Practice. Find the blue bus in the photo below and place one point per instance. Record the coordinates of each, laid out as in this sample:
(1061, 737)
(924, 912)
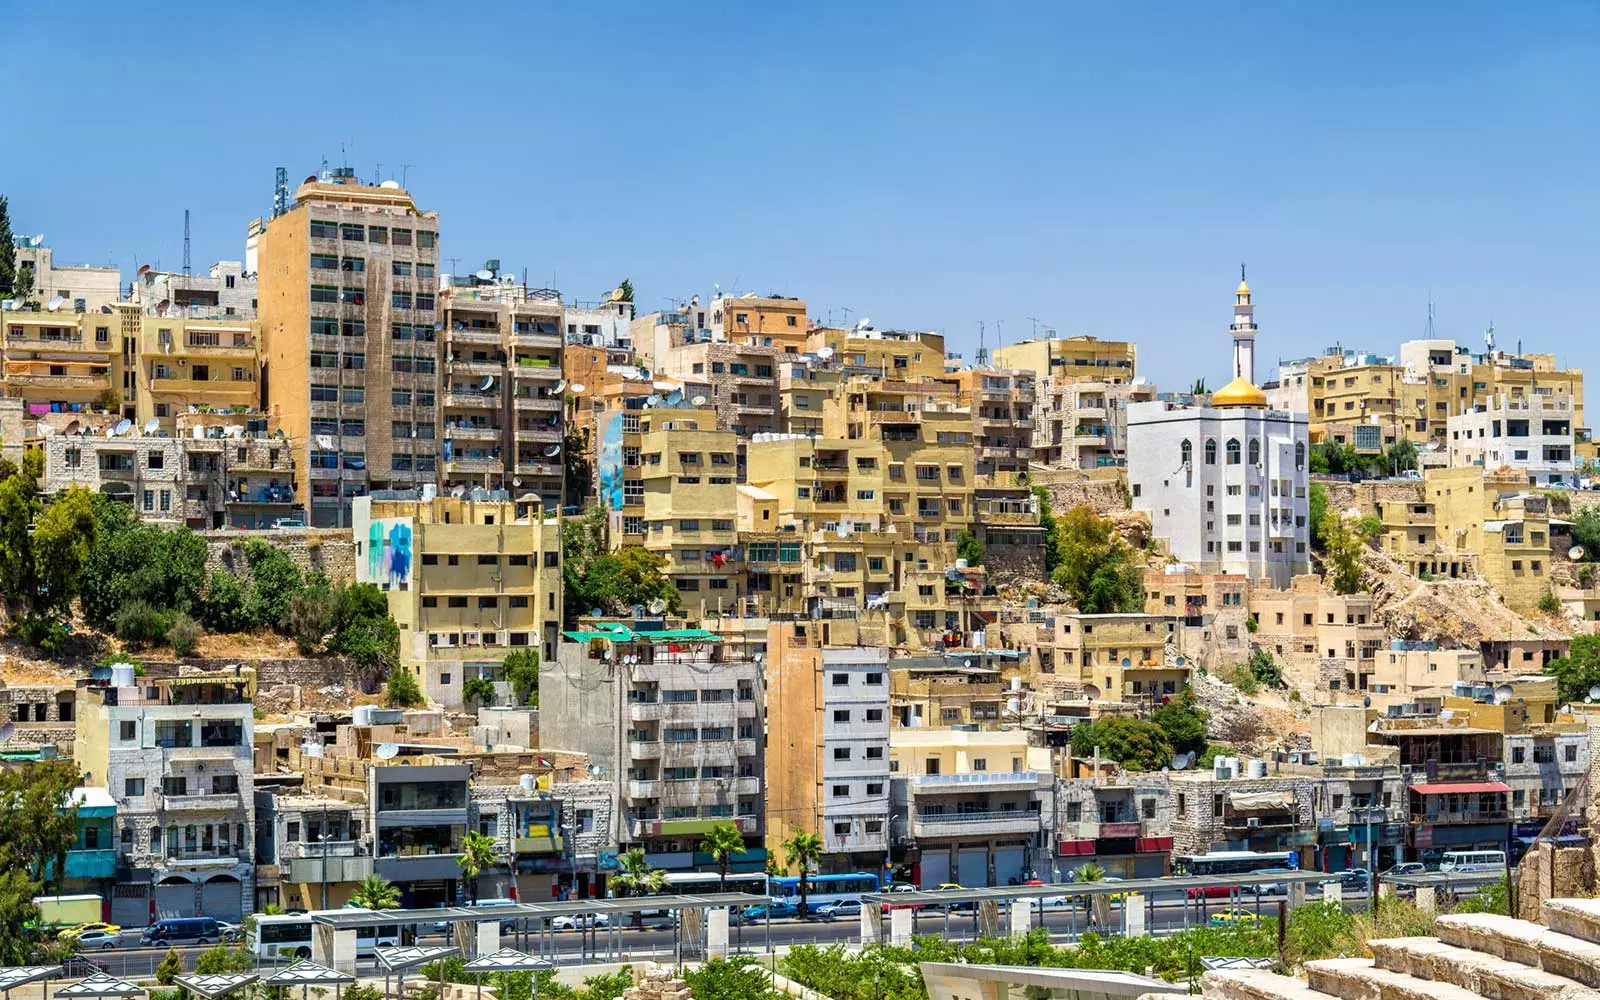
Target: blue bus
(822, 889)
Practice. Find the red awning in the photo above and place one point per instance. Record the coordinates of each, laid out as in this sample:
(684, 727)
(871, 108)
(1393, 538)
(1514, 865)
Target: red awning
(1460, 788)
(1076, 847)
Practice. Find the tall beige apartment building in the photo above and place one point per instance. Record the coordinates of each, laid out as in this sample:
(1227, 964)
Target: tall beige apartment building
(350, 355)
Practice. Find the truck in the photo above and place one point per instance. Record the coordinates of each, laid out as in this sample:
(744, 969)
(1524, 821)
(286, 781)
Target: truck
(67, 911)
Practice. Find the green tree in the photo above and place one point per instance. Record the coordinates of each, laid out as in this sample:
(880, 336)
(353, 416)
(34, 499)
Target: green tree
(62, 540)
(138, 624)
(576, 471)
(1198, 388)
(170, 968)
(183, 633)
(1137, 744)
(402, 688)
(38, 822)
(310, 619)
(477, 853)
(969, 548)
(1342, 546)
(274, 580)
(520, 669)
(1579, 670)
(635, 877)
(8, 252)
(1265, 669)
(479, 690)
(376, 893)
(363, 629)
(1334, 458)
(220, 959)
(801, 851)
(1317, 504)
(642, 574)
(625, 291)
(1586, 532)
(1183, 722)
(19, 506)
(223, 609)
(1401, 457)
(131, 561)
(737, 978)
(1095, 566)
(722, 842)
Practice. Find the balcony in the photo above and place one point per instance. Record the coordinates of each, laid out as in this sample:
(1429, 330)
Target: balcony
(473, 400)
(313, 870)
(1019, 822)
(644, 789)
(204, 856)
(647, 711)
(475, 465)
(644, 749)
(217, 753)
(472, 335)
(976, 781)
(465, 432)
(542, 404)
(549, 435)
(539, 845)
(549, 372)
(547, 469)
(494, 368)
(221, 802)
(545, 340)
(1462, 818)
(89, 382)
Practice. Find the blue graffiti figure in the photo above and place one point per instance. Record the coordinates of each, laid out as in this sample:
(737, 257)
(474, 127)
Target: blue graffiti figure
(399, 554)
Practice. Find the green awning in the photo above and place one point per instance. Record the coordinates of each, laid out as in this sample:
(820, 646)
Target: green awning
(689, 634)
(623, 635)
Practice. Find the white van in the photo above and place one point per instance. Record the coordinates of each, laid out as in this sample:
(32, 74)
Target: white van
(1473, 861)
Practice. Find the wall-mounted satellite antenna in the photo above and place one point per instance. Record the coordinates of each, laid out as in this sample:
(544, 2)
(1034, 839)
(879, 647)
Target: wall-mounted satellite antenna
(1091, 692)
(1181, 761)
(825, 353)
(561, 384)
(1594, 691)
(484, 275)
(516, 480)
(698, 401)
(123, 426)
(552, 450)
(675, 397)
(386, 751)
(152, 425)
(1503, 694)
(657, 606)
(459, 492)
(1575, 553)
(577, 388)
(55, 303)
(486, 384)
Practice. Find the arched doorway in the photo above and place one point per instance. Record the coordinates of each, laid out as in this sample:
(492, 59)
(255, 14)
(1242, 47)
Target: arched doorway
(221, 897)
(174, 897)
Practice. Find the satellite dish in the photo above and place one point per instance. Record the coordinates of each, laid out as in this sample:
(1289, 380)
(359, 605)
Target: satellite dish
(577, 388)
(698, 401)
(644, 373)
(657, 606)
(1181, 761)
(7, 730)
(484, 275)
(1575, 553)
(1091, 692)
(386, 751)
(123, 426)
(516, 480)
(561, 384)
(459, 492)
(55, 303)
(486, 384)
(1503, 694)
(1594, 692)
(825, 353)
(1366, 701)
(152, 425)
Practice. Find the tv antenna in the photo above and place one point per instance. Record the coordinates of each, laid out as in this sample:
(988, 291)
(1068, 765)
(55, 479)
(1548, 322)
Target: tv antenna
(280, 192)
(403, 168)
(186, 242)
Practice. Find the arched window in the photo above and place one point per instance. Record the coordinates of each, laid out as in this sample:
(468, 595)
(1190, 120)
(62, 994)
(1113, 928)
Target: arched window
(1299, 454)
(1186, 452)
(1255, 451)
(1211, 451)
(1233, 451)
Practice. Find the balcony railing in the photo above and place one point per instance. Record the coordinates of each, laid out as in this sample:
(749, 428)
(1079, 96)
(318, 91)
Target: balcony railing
(974, 823)
(216, 802)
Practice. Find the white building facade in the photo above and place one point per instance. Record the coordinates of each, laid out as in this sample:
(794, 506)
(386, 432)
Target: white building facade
(855, 750)
(1533, 435)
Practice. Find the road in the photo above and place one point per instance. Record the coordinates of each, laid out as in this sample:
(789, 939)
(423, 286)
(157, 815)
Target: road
(602, 944)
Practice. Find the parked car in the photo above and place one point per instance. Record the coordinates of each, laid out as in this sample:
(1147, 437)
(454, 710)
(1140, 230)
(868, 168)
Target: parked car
(182, 930)
(289, 522)
(567, 923)
(1408, 868)
(1355, 878)
(837, 909)
(230, 932)
(1233, 918)
(97, 940)
(955, 887)
(774, 909)
(1050, 902)
(72, 932)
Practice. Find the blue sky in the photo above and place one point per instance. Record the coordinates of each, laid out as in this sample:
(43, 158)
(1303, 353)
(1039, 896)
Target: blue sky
(1101, 168)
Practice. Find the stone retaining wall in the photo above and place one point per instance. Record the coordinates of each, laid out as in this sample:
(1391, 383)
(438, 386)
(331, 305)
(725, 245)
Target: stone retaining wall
(326, 550)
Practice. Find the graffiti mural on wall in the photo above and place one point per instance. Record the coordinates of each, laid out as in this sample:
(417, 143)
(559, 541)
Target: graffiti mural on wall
(389, 552)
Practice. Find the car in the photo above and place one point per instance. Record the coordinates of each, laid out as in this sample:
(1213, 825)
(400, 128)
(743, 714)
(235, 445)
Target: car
(97, 940)
(774, 910)
(1355, 878)
(1408, 868)
(229, 932)
(1050, 902)
(837, 909)
(72, 932)
(567, 922)
(1233, 918)
(289, 522)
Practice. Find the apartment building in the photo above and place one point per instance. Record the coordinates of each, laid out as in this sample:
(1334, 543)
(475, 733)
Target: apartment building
(1534, 435)
(1325, 642)
(828, 730)
(949, 689)
(1085, 358)
(80, 287)
(901, 355)
(468, 581)
(222, 469)
(176, 755)
(1207, 612)
(673, 716)
(774, 321)
(190, 365)
(1456, 796)
(1546, 750)
(1409, 667)
(973, 808)
(1002, 407)
(1083, 423)
(91, 861)
(1490, 514)
(1236, 807)
(689, 508)
(501, 410)
(738, 379)
(60, 360)
(348, 308)
(607, 323)
(1411, 537)
(1119, 820)
(803, 387)
(225, 291)
(1115, 657)
(316, 844)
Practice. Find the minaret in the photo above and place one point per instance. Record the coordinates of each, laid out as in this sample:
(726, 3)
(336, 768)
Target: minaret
(1244, 332)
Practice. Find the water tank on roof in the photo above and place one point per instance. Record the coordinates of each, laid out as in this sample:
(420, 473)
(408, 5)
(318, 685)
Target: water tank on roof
(362, 715)
(526, 781)
(122, 675)
(1258, 768)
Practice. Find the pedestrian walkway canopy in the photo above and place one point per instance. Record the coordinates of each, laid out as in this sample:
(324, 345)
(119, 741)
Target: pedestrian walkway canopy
(219, 985)
(508, 960)
(309, 974)
(100, 985)
(21, 975)
(411, 956)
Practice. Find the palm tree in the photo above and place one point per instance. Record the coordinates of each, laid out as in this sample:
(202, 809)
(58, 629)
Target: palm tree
(636, 877)
(477, 853)
(802, 851)
(376, 893)
(722, 842)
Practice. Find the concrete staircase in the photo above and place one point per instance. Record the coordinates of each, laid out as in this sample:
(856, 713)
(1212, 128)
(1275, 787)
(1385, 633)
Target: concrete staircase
(1473, 955)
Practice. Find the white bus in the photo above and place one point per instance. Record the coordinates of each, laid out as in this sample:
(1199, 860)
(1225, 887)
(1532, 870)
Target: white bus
(1473, 861)
(288, 937)
(1231, 863)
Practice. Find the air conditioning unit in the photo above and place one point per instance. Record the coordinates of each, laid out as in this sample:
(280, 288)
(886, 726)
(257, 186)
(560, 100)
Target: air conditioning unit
(1252, 821)
(472, 639)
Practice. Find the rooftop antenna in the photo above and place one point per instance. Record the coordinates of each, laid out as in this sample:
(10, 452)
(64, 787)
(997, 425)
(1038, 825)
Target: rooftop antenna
(280, 192)
(983, 352)
(1035, 321)
(403, 168)
(1427, 334)
(186, 242)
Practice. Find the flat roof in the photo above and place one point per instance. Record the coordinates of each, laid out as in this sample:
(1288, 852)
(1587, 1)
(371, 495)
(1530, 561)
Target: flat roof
(348, 919)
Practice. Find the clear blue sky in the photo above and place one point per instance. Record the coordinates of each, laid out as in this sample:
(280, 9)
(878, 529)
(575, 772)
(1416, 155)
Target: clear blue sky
(1103, 168)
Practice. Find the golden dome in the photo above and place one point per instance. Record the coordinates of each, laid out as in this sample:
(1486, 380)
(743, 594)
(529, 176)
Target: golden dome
(1243, 288)
(1239, 393)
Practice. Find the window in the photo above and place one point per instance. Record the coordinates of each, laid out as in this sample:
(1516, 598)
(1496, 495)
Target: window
(128, 730)
(841, 753)
(841, 715)
(1211, 451)
(840, 680)
(1233, 451)
(1186, 452)
(1255, 451)
(132, 787)
(875, 753)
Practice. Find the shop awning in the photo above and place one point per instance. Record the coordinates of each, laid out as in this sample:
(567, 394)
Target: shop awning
(1261, 800)
(1459, 787)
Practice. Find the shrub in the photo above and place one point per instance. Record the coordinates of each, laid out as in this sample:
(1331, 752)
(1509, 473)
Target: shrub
(403, 690)
(1548, 603)
(171, 967)
(310, 618)
(138, 624)
(224, 607)
(43, 633)
(184, 634)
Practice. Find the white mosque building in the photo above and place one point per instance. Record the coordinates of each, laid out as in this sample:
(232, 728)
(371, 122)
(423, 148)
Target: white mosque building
(1225, 481)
